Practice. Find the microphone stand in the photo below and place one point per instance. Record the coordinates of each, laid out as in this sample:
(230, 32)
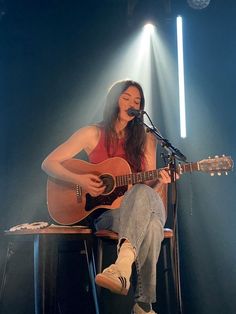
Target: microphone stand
(173, 155)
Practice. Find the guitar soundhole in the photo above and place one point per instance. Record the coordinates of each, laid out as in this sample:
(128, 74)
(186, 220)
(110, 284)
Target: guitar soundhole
(108, 181)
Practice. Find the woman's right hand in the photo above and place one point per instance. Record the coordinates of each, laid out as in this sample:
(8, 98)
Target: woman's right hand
(92, 184)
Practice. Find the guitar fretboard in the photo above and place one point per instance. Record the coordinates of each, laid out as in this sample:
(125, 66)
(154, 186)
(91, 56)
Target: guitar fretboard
(138, 177)
(189, 167)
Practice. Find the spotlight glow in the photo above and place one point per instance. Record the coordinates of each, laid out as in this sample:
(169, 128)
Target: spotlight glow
(149, 28)
(179, 22)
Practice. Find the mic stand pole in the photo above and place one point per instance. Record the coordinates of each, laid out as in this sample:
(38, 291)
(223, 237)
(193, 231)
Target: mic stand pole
(176, 259)
(173, 154)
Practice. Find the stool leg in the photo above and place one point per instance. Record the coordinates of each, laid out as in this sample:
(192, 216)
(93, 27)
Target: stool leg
(10, 252)
(166, 274)
(45, 271)
(99, 261)
(99, 255)
(92, 272)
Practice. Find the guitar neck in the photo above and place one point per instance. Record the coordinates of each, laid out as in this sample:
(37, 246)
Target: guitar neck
(150, 175)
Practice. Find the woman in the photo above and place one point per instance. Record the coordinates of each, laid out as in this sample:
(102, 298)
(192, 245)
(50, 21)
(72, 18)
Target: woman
(140, 219)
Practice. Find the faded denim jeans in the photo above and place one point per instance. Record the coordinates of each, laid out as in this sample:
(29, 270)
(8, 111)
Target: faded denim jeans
(140, 219)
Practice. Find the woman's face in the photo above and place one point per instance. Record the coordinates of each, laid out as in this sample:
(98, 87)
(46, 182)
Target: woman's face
(130, 98)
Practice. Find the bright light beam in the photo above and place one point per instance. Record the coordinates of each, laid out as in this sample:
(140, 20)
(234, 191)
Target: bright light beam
(179, 24)
(149, 28)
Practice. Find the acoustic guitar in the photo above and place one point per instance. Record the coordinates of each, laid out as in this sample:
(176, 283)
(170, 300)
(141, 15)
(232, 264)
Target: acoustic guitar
(69, 203)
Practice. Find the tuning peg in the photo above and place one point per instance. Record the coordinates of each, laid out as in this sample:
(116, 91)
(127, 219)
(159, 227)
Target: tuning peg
(209, 157)
(216, 156)
(226, 173)
(212, 174)
(219, 173)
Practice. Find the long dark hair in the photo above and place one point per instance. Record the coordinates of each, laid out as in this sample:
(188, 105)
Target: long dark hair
(135, 135)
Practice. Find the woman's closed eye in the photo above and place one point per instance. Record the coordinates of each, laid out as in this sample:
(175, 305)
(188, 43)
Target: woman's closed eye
(125, 98)
(136, 102)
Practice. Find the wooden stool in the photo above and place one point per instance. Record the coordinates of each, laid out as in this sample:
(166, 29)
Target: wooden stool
(170, 280)
(45, 244)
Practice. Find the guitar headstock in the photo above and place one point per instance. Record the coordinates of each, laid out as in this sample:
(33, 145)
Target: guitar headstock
(216, 165)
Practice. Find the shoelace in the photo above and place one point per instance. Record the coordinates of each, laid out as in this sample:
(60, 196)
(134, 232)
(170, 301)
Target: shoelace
(114, 271)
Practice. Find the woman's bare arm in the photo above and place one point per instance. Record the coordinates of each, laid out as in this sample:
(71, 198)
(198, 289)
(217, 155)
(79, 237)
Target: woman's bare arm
(84, 139)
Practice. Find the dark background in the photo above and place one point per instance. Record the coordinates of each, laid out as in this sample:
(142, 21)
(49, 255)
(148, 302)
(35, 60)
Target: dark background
(54, 58)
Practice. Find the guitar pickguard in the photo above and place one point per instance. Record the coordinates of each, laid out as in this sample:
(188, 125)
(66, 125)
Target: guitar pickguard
(102, 200)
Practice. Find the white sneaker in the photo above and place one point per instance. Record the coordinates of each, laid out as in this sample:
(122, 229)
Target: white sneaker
(111, 278)
(138, 310)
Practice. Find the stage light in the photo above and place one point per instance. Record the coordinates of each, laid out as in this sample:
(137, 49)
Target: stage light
(198, 4)
(179, 23)
(149, 28)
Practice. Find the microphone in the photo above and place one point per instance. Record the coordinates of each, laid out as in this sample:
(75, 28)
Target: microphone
(135, 113)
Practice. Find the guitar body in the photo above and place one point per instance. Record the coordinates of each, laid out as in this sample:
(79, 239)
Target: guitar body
(69, 204)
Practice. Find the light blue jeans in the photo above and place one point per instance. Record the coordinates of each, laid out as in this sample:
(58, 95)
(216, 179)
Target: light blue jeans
(140, 219)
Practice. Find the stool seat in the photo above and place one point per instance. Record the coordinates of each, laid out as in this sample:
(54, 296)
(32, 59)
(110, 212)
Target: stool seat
(108, 234)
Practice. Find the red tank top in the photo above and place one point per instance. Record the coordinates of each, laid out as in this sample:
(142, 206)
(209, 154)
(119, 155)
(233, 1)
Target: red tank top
(99, 153)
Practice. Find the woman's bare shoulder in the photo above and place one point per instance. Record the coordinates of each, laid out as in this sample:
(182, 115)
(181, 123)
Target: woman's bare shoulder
(86, 137)
(89, 131)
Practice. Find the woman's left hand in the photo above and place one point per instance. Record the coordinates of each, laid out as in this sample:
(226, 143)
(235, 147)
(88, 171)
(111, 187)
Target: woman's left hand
(165, 177)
